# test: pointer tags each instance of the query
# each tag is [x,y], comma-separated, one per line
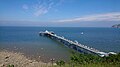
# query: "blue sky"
[66,13]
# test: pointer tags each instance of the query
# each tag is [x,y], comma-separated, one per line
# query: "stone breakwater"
[19,60]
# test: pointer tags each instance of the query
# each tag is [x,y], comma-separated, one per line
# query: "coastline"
[18,60]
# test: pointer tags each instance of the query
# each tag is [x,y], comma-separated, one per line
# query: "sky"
[60,13]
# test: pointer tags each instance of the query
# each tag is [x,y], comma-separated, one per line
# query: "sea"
[27,41]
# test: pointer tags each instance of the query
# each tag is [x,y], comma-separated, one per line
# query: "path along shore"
[18,60]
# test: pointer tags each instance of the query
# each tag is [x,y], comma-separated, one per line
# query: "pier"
[74,44]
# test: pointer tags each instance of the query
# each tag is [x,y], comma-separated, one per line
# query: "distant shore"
[18,60]
[116,26]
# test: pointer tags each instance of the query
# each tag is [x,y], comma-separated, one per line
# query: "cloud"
[114,16]
[25,7]
[41,11]
[43,6]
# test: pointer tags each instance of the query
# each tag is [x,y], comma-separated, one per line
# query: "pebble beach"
[19,60]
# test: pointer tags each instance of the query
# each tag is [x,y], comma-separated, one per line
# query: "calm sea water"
[28,41]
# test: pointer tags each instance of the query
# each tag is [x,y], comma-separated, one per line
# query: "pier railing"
[89,49]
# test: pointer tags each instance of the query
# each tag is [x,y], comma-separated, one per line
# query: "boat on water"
[82,33]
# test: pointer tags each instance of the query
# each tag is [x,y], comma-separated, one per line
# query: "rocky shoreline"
[19,60]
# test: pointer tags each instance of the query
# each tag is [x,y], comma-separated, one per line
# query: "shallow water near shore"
[27,40]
